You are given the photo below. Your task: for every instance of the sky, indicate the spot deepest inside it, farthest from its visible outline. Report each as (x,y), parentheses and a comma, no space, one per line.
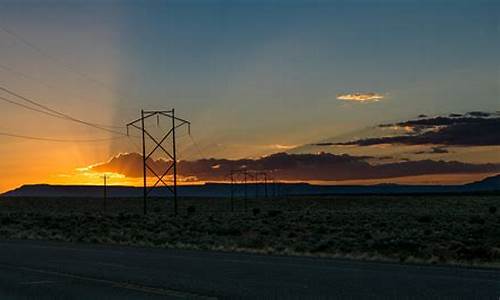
(255,78)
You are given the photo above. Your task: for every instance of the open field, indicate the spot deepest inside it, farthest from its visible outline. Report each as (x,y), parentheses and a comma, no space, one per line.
(430,229)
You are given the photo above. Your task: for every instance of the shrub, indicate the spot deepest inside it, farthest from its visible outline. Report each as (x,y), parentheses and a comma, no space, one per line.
(191,209)
(476,252)
(492,210)
(424,219)
(476,220)
(256,211)
(273,213)
(6,220)
(323,246)
(231,231)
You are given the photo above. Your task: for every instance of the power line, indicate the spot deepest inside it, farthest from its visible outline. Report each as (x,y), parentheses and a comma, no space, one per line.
(31,108)
(40,82)
(42,111)
(47,110)
(63,115)
(197,148)
(68,67)
(26,76)
(27,137)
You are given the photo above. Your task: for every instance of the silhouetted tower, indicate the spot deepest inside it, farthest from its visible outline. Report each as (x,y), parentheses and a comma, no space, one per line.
(245,178)
(105,192)
(158,145)
(259,176)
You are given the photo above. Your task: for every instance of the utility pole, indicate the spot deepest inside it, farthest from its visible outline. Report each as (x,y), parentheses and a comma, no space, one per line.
(174,154)
(265,184)
(105,192)
(245,187)
(158,146)
(144,174)
(232,191)
(259,175)
(256,179)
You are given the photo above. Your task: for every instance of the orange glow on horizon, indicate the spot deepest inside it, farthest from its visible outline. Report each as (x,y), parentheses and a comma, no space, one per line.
(120,180)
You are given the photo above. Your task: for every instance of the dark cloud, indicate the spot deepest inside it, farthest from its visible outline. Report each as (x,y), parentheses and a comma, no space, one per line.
(434,150)
(385,157)
(130,165)
(479,114)
(474,129)
(285,166)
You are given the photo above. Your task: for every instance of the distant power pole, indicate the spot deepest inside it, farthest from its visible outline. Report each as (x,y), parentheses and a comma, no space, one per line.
(265,185)
(105,192)
(232,191)
(158,145)
(245,187)
(257,182)
(258,175)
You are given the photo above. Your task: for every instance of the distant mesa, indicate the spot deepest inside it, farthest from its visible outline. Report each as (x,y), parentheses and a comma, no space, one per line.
(490,184)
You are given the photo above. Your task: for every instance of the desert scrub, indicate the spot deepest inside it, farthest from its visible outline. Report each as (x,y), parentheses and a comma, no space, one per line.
(438,229)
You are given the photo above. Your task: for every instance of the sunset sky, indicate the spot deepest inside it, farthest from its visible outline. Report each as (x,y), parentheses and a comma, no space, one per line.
(349,79)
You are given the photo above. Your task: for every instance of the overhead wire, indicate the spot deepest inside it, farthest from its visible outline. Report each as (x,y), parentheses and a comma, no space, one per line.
(28,137)
(31,108)
(50,111)
(63,115)
(40,82)
(197,148)
(26,76)
(58,61)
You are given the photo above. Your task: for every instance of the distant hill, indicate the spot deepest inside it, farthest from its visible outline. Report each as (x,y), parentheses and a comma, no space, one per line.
(490,184)
(46,190)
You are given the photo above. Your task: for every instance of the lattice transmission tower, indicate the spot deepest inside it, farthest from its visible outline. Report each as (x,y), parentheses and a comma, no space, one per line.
(158,145)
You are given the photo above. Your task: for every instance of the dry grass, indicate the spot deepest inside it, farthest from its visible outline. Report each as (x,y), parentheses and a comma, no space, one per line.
(435,229)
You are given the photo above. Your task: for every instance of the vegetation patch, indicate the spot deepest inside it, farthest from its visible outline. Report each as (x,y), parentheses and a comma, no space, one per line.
(456,229)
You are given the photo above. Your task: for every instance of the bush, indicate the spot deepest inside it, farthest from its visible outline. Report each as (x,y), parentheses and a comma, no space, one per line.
(476,220)
(6,220)
(492,210)
(191,210)
(256,211)
(424,219)
(273,213)
(230,231)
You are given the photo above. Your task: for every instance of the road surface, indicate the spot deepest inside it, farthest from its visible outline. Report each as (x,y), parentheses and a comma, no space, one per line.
(47,270)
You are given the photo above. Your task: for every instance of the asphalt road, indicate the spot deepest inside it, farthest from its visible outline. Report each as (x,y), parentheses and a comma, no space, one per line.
(48,270)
